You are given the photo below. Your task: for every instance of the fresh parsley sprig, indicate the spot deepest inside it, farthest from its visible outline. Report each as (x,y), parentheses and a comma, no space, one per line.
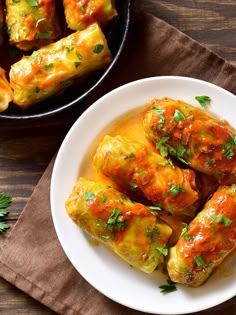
(5,202)
(168,288)
(203,100)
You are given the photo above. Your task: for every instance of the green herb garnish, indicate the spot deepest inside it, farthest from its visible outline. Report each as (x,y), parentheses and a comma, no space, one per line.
(115,222)
(175,189)
(98,48)
(89,195)
(5,202)
(199,261)
(168,288)
(203,100)
(162,117)
(130,156)
(221,219)
(178,115)
(163,250)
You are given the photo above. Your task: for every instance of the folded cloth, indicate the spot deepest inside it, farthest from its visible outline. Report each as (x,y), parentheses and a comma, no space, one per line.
(32,258)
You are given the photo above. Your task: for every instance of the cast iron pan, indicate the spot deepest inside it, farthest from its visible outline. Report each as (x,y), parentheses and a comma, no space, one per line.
(116,35)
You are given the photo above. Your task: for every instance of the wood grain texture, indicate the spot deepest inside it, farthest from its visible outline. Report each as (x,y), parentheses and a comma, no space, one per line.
(26,148)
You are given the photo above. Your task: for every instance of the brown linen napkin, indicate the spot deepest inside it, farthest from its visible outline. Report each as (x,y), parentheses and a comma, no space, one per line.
(32,258)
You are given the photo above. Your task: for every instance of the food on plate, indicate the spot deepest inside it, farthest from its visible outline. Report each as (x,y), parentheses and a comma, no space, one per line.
(127,228)
(136,167)
(80,14)
(32,24)
(210,237)
(193,136)
(6,94)
(56,66)
(1,24)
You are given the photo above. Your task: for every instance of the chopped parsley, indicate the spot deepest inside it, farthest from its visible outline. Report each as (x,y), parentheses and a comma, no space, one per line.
(83,10)
(229,148)
(98,48)
(5,202)
(166,149)
(152,233)
(89,195)
(155,208)
(115,222)
(103,198)
(48,66)
(203,100)
(187,237)
(199,261)
(37,89)
(130,156)
(163,250)
(184,229)
(175,189)
(178,115)
(162,117)
(168,288)
(79,55)
(221,219)
(77,63)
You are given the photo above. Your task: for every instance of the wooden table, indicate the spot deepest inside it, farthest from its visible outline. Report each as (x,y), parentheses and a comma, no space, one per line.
(26,148)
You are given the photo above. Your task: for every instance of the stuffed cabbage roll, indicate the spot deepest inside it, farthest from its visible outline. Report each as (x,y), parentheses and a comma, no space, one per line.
(210,237)
(80,14)
(32,24)
(1,24)
(52,68)
(139,169)
(193,136)
(6,94)
(127,228)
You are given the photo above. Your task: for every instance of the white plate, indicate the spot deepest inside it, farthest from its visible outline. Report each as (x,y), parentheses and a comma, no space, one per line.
(103,270)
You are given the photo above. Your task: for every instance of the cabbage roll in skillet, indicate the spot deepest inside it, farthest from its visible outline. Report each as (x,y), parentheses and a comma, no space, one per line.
(194,137)
(141,170)
(32,24)
(127,228)
(80,14)
(210,237)
(52,68)
(6,93)
(1,24)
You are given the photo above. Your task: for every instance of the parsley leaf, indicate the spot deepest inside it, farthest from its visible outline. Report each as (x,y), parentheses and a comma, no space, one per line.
(89,195)
(175,189)
(203,100)
(162,117)
(155,208)
(178,115)
(184,229)
(199,261)
(229,148)
(130,156)
(115,222)
(221,219)
(168,288)
(5,202)
(163,250)
(98,48)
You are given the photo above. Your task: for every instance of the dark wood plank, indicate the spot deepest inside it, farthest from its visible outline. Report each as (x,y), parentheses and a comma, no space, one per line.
(26,148)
